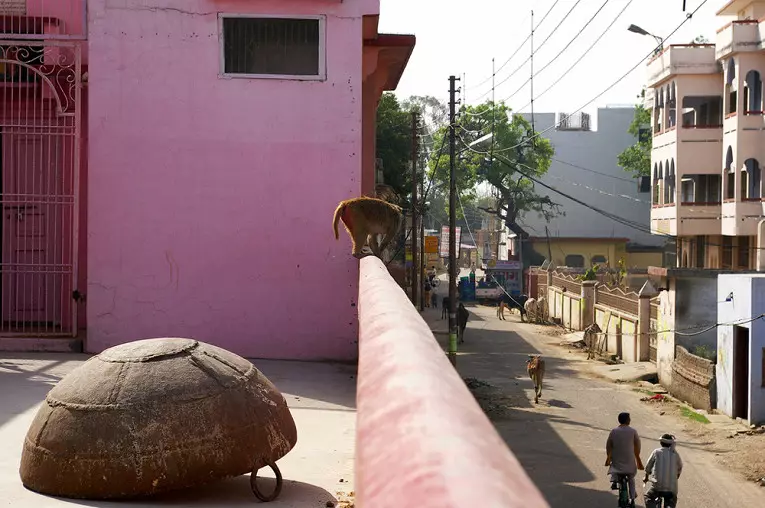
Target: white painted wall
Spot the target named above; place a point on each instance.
(748, 301)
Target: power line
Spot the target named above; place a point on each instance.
(517, 50)
(612, 85)
(586, 52)
(536, 50)
(548, 64)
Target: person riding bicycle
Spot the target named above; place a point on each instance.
(663, 472)
(623, 454)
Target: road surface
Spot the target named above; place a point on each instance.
(561, 442)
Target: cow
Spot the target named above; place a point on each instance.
(591, 336)
(536, 309)
(536, 368)
(462, 319)
(511, 302)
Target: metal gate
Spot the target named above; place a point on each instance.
(40, 149)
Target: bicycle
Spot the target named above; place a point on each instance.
(623, 483)
(660, 499)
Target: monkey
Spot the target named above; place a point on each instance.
(364, 218)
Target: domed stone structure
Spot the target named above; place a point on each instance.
(152, 416)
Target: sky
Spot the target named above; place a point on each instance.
(456, 37)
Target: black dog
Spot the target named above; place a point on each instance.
(445, 307)
(515, 302)
(462, 319)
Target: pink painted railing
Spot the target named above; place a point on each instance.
(421, 438)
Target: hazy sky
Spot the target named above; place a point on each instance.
(456, 37)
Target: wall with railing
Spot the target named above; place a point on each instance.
(623, 315)
(421, 438)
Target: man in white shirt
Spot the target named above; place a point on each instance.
(663, 470)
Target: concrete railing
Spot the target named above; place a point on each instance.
(422, 439)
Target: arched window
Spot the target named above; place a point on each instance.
(671, 105)
(660, 184)
(671, 182)
(752, 93)
(731, 94)
(655, 189)
(667, 183)
(730, 175)
(599, 260)
(575, 261)
(753, 174)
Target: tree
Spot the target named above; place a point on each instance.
(502, 163)
(636, 159)
(394, 144)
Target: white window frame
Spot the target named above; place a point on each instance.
(321, 76)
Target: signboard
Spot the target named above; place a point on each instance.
(18, 7)
(444, 251)
(431, 245)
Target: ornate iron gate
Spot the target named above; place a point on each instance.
(40, 150)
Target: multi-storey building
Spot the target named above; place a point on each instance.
(708, 138)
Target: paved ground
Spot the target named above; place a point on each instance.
(561, 442)
(321, 398)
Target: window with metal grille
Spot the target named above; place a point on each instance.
(271, 47)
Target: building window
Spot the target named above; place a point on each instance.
(644, 184)
(744, 252)
(658, 177)
(599, 260)
(273, 47)
(730, 175)
(701, 251)
(727, 252)
(751, 179)
(574, 261)
(752, 93)
(671, 106)
(730, 88)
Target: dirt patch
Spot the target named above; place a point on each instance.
(344, 500)
(496, 404)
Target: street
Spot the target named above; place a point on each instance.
(561, 441)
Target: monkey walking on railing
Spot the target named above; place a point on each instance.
(364, 218)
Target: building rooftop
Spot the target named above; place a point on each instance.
(321, 398)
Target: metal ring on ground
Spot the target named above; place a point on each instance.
(254, 484)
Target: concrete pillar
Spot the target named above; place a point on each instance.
(761, 246)
(589, 287)
(643, 337)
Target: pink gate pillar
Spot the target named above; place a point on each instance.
(421, 436)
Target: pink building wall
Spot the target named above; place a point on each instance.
(210, 199)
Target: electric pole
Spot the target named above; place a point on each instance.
(452, 224)
(422, 244)
(413, 234)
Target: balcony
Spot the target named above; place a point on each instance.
(740, 218)
(43, 19)
(698, 212)
(738, 36)
(678, 59)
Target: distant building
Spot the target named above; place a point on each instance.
(585, 167)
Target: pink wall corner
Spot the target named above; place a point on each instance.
(210, 199)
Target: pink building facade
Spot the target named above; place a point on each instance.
(216, 139)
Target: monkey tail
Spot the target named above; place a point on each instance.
(338, 212)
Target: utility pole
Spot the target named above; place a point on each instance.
(533, 130)
(422, 244)
(452, 224)
(413, 234)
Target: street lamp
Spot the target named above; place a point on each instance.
(637, 30)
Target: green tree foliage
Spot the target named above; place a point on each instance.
(636, 159)
(516, 152)
(394, 144)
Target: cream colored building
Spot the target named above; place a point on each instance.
(709, 141)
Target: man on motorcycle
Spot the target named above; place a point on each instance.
(663, 471)
(623, 454)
